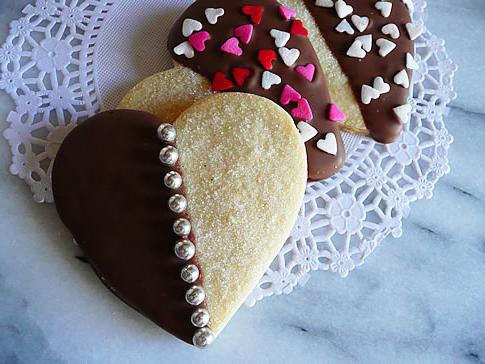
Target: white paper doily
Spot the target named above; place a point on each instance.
(66, 59)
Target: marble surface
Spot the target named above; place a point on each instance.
(419, 299)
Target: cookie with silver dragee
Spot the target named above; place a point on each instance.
(180, 220)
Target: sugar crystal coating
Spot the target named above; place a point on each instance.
(244, 173)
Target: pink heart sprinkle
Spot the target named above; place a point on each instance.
(302, 111)
(307, 71)
(287, 13)
(197, 40)
(335, 114)
(244, 32)
(231, 46)
(288, 95)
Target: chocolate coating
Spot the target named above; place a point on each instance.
(381, 122)
(320, 164)
(108, 188)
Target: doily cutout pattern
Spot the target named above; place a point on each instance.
(47, 66)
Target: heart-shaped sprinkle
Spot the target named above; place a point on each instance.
(266, 58)
(270, 79)
(392, 30)
(289, 56)
(360, 22)
(343, 9)
(184, 48)
(231, 46)
(335, 114)
(255, 13)
(189, 26)
(286, 12)
(368, 93)
(366, 41)
(329, 144)
(244, 32)
(302, 111)
(403, 113)
(324, 3)
(381, 86)
(240, 74)
(307, 71)
(355, 50)
(289, 94)
(307, 131)
(220, 82)
(197, 40)
(213, 14)
(385, 46)
(402, 79)
(297, 28)
(410, 62)
(414, 30)
(384, 7)
(280, 37)
(345, 27)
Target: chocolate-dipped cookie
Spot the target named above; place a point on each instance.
(258, 47)
(366, 49)
(181, 221)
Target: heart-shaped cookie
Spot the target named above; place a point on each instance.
(181, 221)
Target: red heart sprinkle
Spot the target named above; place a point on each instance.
(240, 74)
(255, 12)
(266, 58)
(220, 82)
(297, 28)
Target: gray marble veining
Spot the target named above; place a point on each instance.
(418, 299)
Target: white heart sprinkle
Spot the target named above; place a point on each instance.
(414, 30)
(384, 7)
(403, 113)
(381, 86)
(360, 22)
(270, 79)
(391, 30)
(344, 26)
(355, 50)
(280, 37)
(410, 62)
(385, 46)
(184, 48)
(289, 56)
(368, 93)
(366, 41)
(329, 144)
(324, 3)
(307, 131)
(213, 14)
(189, 26)
(402, 79)
(343, 9)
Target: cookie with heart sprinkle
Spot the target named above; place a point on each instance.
(357, 42)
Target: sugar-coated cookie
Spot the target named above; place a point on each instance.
(260, 48)
(167, 94)
(181, 221)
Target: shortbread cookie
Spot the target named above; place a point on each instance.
(167, 94)
(181, 221)
(366, 49)
(256, 47)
